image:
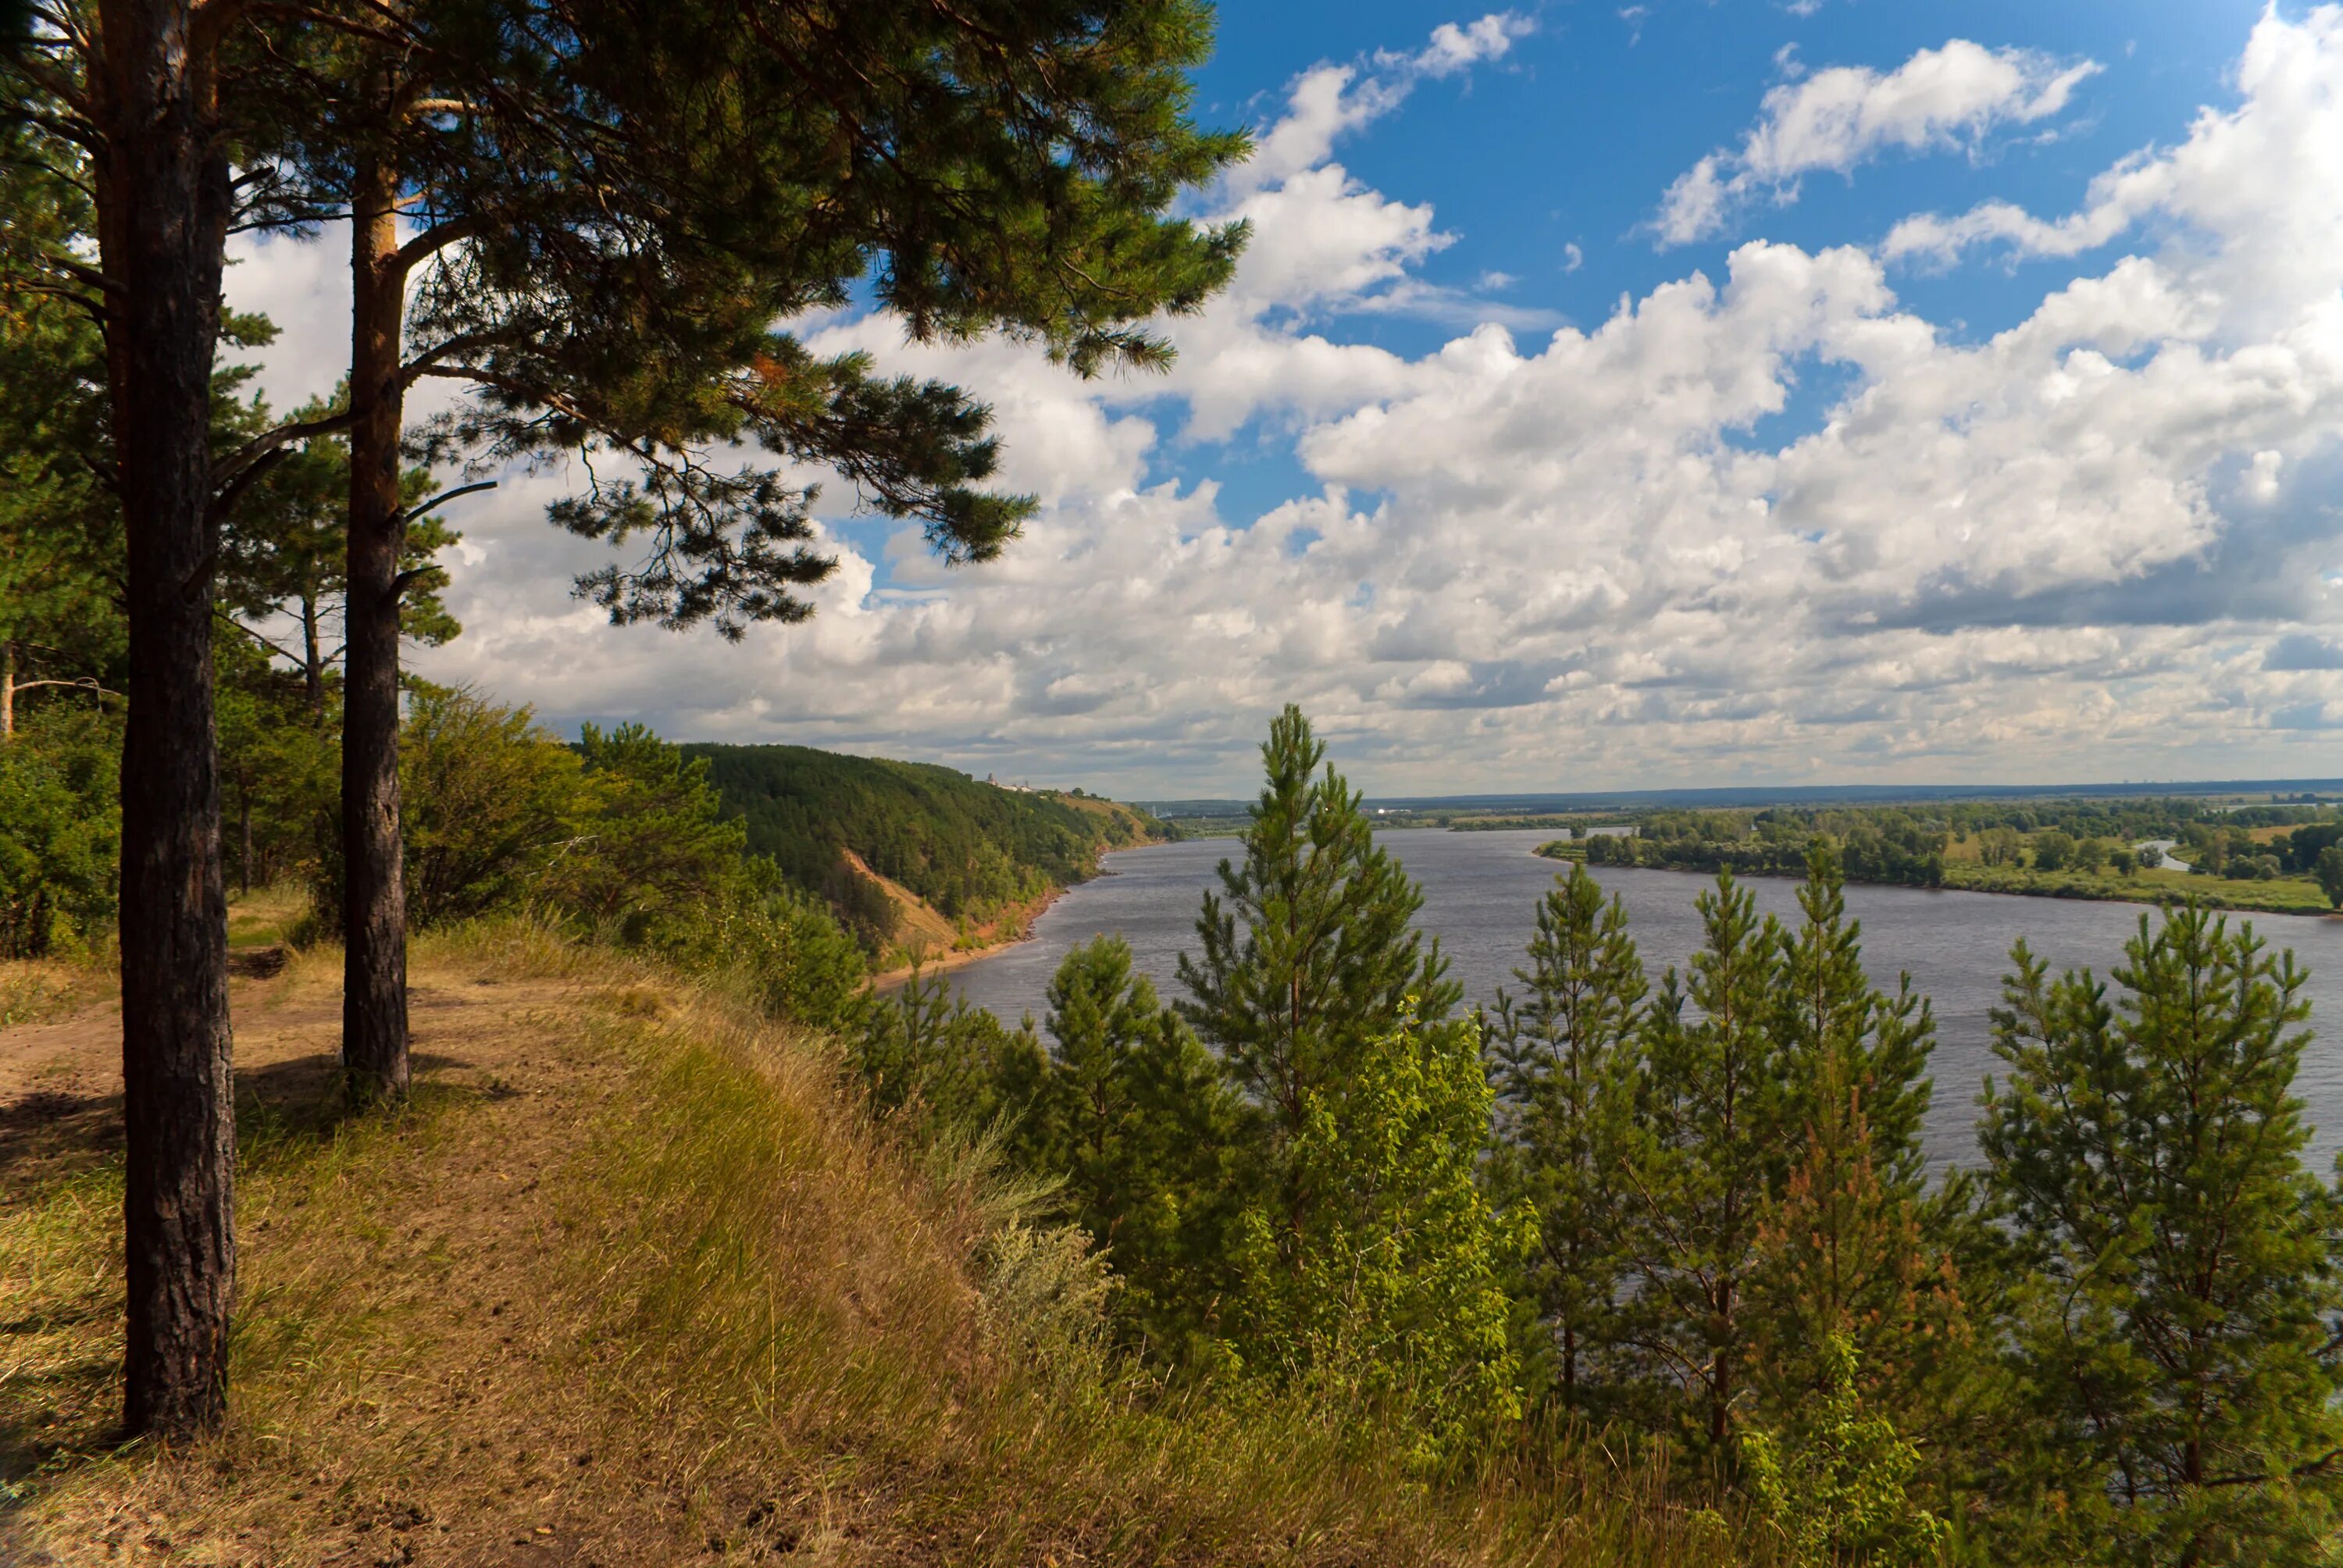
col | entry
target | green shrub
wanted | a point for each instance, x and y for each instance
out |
(60, 834)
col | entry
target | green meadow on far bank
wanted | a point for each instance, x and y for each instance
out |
(2280, 858)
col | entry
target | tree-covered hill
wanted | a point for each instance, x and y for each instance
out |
(967, 848)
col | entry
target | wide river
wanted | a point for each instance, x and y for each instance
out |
(1480, 893)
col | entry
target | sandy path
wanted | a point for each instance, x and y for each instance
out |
(61, 1082)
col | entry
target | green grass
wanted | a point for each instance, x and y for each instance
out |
(803, 1299)
(2284, 895)
(639, 1278)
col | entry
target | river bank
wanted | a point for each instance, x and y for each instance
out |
(1013, 925)
(2281, 896)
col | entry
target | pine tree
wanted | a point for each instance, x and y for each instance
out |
(592, 216)
(1841, 1250)
(1845, 1256)
(2178, 1310)
(1844, 1036)
(949, 1069)
(1718, 1107)
(1563, 1065)
(60, 530)
(1142, 1129)
(605, 210)
(1309, 957)
(284, 549)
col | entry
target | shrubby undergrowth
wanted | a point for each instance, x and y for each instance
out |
(60, 833)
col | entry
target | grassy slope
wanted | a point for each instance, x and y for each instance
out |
(635, 1281)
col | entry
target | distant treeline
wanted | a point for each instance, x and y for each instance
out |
(2119, 819)
(1878, 845)
(2066, 849)
(968, 848)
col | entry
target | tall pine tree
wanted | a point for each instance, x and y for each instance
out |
(1718, 1110)
(1564, 1061)
(1842, 1249)
(2179, 1310)
(1845, 1037)
(1310, 954)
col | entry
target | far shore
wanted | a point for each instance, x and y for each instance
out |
(2160, 895)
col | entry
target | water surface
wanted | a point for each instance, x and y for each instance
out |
(1481, 890)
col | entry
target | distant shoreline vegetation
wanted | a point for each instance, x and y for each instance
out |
(879, 839)
(2281, 857)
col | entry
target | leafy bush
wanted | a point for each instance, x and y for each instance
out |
(488, 799)
(645, 844)
(786, 943)
(622, 835)
(1835, 1488)
(2054, 851)
(1388, 1295)
(60, 834)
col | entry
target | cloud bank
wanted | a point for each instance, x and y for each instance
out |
(1765, 525)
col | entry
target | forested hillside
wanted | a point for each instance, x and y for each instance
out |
(968, 848)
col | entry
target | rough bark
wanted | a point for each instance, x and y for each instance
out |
(163, 206)
(313, 662)
(374, 924)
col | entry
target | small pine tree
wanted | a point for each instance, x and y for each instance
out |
(1845, 1257)
(1718, 1114)
(1564, 1066)
(1844, 1036)
(926, 1055)
(2177, 1310)
(1310, 954)
(1142, 1127)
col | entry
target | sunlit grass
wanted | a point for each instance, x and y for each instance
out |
(639, 1273)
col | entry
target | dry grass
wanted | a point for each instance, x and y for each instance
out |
(38, 990)
(634, 1281)
(265, 916)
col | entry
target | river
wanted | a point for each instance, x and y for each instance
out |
(1480, 890)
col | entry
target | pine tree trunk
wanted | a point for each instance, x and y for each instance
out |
(162, 203)
(374, 995)
(7, 691)
(313, 661)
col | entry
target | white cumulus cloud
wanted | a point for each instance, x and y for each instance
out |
(1832, 120)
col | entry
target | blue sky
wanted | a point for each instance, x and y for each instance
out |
(1689, 393)
(1603, 105)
